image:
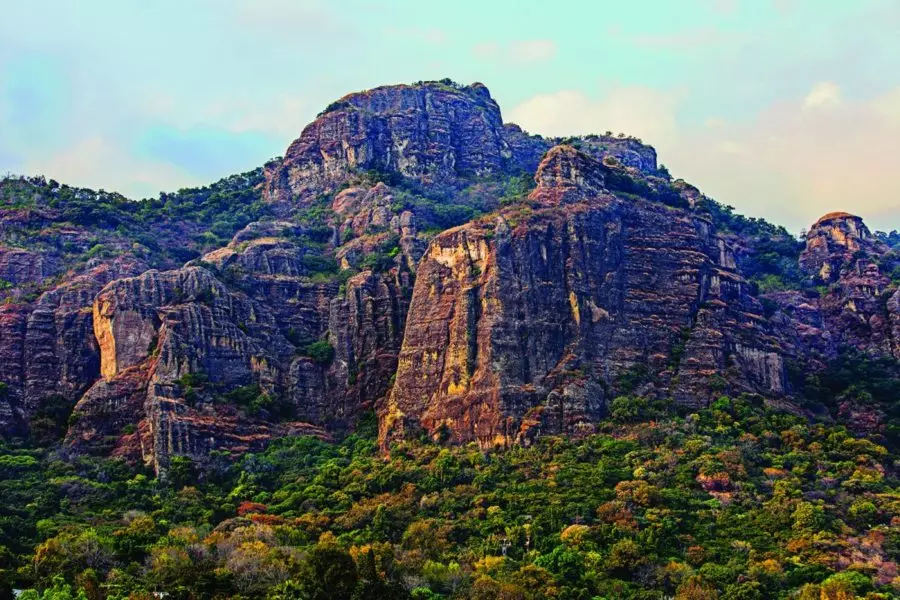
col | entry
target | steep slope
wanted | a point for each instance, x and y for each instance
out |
(532, 320)
(58, 247)
(413, 254)
(436, 133)
(859, 305)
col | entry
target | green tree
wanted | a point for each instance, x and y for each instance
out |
(60, 590)
(327, 573)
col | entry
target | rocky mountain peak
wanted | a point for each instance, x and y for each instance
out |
(398, 266)
(566, 175)
(431, 132)
(393, 99)
(832, 242)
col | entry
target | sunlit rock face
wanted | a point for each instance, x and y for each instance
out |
(527, 322)
(435, 133)
(603, 277)
(832, 242)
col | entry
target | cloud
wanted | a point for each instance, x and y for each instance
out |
(724, 7)
(682, 39)
(283, 116)
(639, 111)
(798, 160)
(99, 158)
(791, 162)
(825, 94)
(785, 7)
(269, 13)
(486, 50)
(205, 151)
(522, 52)
(33, 92)
(306, 23)
(691, 39)
(532, 51)
(888, 106)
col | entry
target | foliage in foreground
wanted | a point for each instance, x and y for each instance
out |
(735, 501)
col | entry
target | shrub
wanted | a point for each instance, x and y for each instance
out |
(320, 351)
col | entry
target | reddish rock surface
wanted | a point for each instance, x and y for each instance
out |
(410, 270)
(859, 306)
(532, 318)
(435, 133)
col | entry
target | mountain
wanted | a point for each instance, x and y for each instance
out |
(414, 255)
(426, 354)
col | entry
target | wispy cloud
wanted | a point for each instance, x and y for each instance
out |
(792, 162)
(521, 52)
(642, 111)
(532, 51)
(304, 22)
(785, 7)
(724, 7)
(694, 38)
(98, 158)
(824, 94)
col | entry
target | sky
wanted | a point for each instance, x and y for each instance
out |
(784, 109)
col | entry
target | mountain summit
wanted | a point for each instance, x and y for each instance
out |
(413, 255)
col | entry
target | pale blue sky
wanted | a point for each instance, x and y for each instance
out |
(783, 108)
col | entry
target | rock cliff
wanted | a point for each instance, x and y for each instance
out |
(412, 254)
(533, 319)
(436, 133)
(859, 301)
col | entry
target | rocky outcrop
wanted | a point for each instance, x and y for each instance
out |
(857, 306)
(567, 176)
(630, 152)
(191, 364)
(436, 133)
(196, 341)
(430, 133)
(833, 242)
(370, 220)
(18, 267)
(531, 321)
(607, 279)
(47, 348)
(362, 318)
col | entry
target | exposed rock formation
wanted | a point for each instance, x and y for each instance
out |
(47, 348)
(530, 321)
(20, 266)
(161, 333)
(607, 279)
(430, 133)
(832, 242)
(859, 304)
(433, 133)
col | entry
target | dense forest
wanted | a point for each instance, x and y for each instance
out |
(736, 501)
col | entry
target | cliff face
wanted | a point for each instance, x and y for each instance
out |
(175, 346)
(460, 276)
(48, 353)
(833, 242)
(530, 321)
(428, 133)
(436, 133)
(860, 305)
